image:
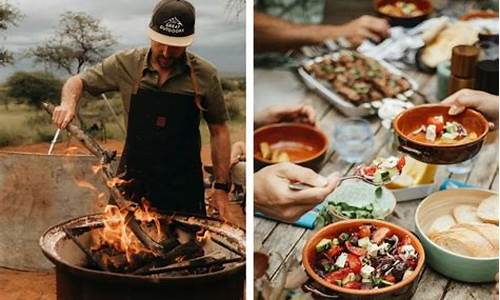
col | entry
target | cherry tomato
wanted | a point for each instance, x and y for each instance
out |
(353, 285)
(406, 240)
(412, 263)
(354, 263)
(401, 163)
(381, 234)
(355, 250)
(338, 275)
(370, 171)
(390, 278)
(334, 251)
(439, 125)
(364, 231)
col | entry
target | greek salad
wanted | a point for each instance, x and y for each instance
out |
(439, 131)
(382, 170)
(366, 257)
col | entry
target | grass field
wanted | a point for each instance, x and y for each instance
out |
(21, 124)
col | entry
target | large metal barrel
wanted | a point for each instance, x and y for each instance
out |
(38, 191)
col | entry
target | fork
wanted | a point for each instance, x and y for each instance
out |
(299, 186)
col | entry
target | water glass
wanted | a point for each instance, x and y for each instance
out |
(353, 140)
(461, 168)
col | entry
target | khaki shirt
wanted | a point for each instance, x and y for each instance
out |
(122, 70)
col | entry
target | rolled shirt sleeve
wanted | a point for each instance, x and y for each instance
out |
(102, 77)
(216, 112)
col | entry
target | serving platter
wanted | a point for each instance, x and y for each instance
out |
(324, 89)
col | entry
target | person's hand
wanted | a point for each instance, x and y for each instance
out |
(273, 197)
(365, 27)
(483, 102)
(63, 115)
(286, 113)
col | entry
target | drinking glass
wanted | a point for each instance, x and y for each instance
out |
(353, 140)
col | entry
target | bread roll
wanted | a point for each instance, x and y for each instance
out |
(488, 209)
(469, 240)
(441, 224)
(466, 214)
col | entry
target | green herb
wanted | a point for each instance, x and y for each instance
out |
(378, 192)
(344, 236)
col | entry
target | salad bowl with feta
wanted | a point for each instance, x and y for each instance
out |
(429, 134)
(364, 258)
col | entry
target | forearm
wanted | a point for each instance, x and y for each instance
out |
(220, 151)
(72, 92)
(274, 34)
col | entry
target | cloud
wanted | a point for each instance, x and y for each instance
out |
(220, 34)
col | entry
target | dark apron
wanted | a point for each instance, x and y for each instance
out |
(162, 151)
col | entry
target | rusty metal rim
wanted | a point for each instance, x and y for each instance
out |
(135, 279)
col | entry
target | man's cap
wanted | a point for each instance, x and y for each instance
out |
(172, 23)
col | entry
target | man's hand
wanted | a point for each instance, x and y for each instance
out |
(63, 115)
(365, 27)
(228, 211)
(273, 197)
(286, 113)
(483, 102)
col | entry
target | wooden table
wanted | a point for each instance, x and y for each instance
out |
(285, 242)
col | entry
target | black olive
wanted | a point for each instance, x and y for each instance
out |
(354, 240)
(399, 271)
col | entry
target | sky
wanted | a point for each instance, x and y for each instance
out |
(220, 30)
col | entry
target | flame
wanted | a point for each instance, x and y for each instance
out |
(71, 150)
(203, 236)
(117, 235)
(97, 168)
(115, 181)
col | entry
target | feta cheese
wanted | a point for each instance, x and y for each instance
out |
(389, 163)
(364, 242)
(407, 273)
(450, 135)
(407, 251)
(372, 250)
(335, 241)
(430, 133)
(384, 247)
(439, 118)
(366, 271)
(340, 262)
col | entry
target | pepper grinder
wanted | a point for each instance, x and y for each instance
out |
(463, 67)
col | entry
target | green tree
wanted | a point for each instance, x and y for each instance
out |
(34, 86)
(79, 40)
(9, 16)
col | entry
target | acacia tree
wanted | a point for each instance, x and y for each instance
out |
(79, 40)
(9, 16)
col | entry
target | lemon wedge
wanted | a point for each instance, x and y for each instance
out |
(414, 173)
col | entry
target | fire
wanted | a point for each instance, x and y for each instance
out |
(71, 150)
(96, 169)
(115, 181)
(203, 236)
(117, 235)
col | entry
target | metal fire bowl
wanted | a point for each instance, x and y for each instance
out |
(37, 191)
(76, 282)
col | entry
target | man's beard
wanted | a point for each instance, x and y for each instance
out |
(166, 63)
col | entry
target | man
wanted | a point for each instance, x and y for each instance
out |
(164, 90)
(282, 25)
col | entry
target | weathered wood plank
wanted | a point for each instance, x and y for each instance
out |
(431, 286)
(468, 291)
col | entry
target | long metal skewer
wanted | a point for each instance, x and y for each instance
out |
(54, 140)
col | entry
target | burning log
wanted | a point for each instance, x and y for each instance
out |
(94, 261)
(116, 198)
(188, 250)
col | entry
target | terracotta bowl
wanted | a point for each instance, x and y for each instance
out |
(424, 5)
(306, 145)
(401, 290)
(448, 263)
(410, 120)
